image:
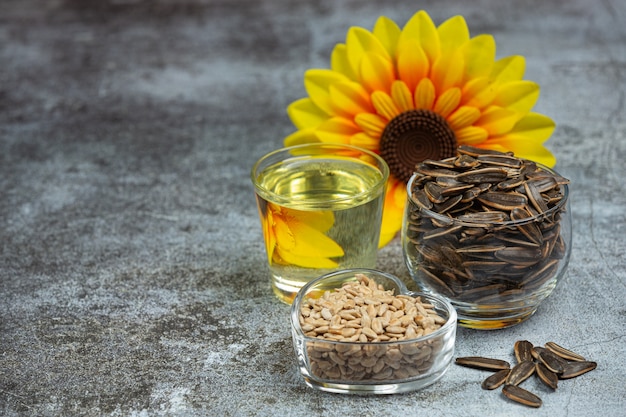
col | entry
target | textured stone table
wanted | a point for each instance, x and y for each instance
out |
(132, 274)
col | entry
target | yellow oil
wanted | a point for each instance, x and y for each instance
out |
(349, 192)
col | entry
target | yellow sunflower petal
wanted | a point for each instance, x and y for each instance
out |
(478, 93)
(497, 120)
(447, 71)
(372, 124)
(525, 148)
(319, 219)
(376, 72)
(365, 141)
(402, 96)
(425, 94)
(471, 135)
(448, 102)
(336, 130)
(340, 63)
(421, 27)
(393, 211)
(384, 105)
(268, 233)
(301, 137)
(412, 63)
(509, 69)
(387, 32)
(305, 114)
(349, 98)
(360, 42)
(284, 236)
(453, 33)
(519, 96)
(317, 83)
(305, 261)
(311, 242)
(534, 125)
(479, 55)
(463, 116)
(527, 136)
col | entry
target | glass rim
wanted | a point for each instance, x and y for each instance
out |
(455, 221)
(277, 198)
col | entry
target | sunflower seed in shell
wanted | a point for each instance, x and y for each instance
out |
(501, 200)
(521, 396)
(447, 163)
(510, 183)
(447, 182)
(528, 229)
(574, 369)
(438, 282)
(501, 160)
(428, 171)
(535, 197)
(564, 353)
(546, 376)
(521, 372)
(486, 217)
(422, 200)
(483, 175)
(441, 231)
(536, 351)
(457, 189)
(551, 361)
(544, 184)
(479, 362)
(466, 161)
(522, 349)
(479, 248)
(448, 204)
(543, 274)
(519, 256)
(495, 380)
(433, 192)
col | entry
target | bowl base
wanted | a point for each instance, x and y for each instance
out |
(376, 387)
(493, 321)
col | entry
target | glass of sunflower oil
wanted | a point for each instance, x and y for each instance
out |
(321, 209)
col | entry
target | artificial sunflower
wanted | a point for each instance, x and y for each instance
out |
(418, 93)
(284, 230)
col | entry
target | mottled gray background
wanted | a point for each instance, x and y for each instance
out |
(132, 272)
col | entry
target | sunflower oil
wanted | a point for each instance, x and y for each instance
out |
(319, 215)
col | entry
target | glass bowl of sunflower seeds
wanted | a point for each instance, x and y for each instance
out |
(360, 331)
(488, 231)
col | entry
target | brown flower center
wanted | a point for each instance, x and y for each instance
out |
(414, 136)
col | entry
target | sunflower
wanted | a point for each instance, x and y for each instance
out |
(418, 93)
(284, 230)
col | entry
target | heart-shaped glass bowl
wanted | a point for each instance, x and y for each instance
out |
(373, 367)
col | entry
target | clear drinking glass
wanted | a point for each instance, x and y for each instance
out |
(320, 207)
(495, 273)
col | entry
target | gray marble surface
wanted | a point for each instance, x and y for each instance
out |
(132, 271)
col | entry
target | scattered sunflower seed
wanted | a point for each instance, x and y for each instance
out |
(564, 353)
(521, 372)
(523, 350)
(479, 362)
(543, 362)
(547, 376)
(496, 380)
(521, 396)
(574, 369)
